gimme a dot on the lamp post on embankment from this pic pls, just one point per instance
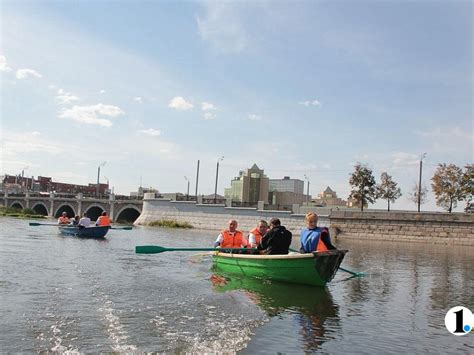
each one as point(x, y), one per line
point(187, 194)
point(217, 177)
point(419, 181)
point(307, 189)
point(98, 178)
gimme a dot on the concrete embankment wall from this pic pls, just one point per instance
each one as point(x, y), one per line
point(436, 228)
point(216, 217)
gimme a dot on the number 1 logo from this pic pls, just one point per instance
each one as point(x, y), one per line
point(459, 320)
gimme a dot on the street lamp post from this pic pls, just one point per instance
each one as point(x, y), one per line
point(307, 190)
point(98, 178)
point(419, 181)
point(217, 177)
point(187, 194)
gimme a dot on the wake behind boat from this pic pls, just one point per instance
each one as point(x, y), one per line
point(314, 269)
point(95, 232)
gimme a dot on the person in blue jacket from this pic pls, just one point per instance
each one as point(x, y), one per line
point(314, 238)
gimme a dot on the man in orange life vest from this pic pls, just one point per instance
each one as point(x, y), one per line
point(63, 219)
point(231, 238)
point(256, 234)
point(314, 238)
point(103, 220)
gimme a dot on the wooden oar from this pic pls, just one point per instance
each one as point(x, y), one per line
point(36, 224)
point(156, 249)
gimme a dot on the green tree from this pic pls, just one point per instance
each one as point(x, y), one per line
point(468, 187)
point(413, 195)
point(364, 189)
point(387, 189)
point(447, 185)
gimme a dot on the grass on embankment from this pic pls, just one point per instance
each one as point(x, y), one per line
point(169, 223)
point(19, 213)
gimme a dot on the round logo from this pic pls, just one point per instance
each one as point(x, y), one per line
point(459, 320)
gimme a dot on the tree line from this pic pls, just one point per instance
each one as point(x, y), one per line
point(450, 185)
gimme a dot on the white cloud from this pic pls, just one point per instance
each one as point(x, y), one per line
point(223, 27)
point(179, 103)
point(310, 103)
point(27, 73)
point(452, 132)
point(102, 92)
point(402, 158)
point(3, 64)
point(151, 132)
point(207, 106)
point(28, 142)
point(209, 116)
point(138, 99)
point(90, 114)
point(207, 109)
point(253, 117)
point(65, 97)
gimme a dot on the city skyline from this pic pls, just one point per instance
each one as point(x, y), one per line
point(299, 89)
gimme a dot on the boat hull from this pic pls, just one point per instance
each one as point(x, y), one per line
point(96, 232)
point(314, 269)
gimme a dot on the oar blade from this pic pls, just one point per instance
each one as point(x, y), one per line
point(149, 249)
point(352, 272)
point(129, 228)
point(35, 224)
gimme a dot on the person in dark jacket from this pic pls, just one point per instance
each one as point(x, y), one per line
point(277, 240)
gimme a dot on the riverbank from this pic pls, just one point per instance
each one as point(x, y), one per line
point(17, 213)
point(430, 228)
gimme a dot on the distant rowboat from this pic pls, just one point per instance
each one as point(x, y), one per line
point(314, 269)
point(96, 232)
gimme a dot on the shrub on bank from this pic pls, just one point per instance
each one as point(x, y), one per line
point(169, 223)
point(19, 213)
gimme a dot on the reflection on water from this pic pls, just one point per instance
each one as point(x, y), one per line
point(310, 306)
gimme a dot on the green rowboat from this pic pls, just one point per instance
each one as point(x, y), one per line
point(314, 269)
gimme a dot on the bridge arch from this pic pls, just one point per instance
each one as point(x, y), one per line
point(128, 213)
point(40, 208)
point(17, 204)
point(65, 207)
point(94, 211)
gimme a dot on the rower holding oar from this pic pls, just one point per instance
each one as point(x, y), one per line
point(103, 220)
point(63, 219)
point(314, 238)
point(231, 238)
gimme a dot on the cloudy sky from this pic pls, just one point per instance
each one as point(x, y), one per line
point(306, 87)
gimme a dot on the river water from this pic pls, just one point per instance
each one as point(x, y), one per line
point(70, 295)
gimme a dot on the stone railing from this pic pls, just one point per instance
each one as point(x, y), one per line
point(436, 228)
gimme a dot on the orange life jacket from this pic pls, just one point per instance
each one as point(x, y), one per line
point(321, 246)
point(257, 234)
point(232, 241)
point(103, 221)
point(63, 220)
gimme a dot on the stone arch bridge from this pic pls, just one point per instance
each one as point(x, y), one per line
point(119, 208)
